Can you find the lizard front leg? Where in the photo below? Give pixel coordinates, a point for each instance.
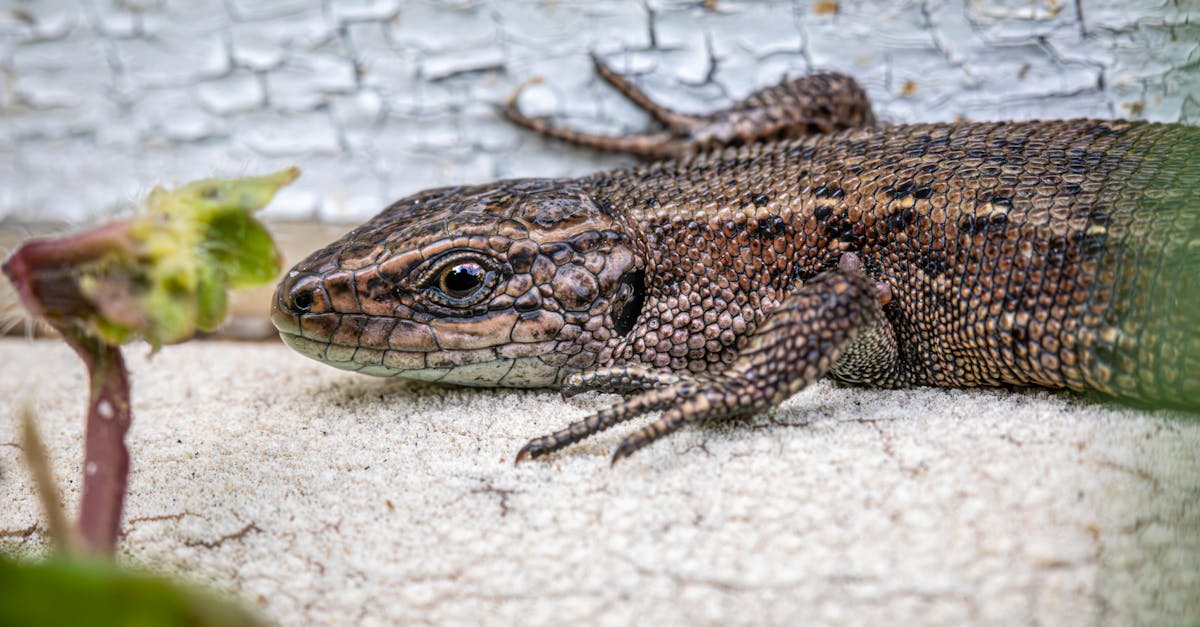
(835, 323)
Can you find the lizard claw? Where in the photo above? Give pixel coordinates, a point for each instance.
(624, 449)
(525, 453)
(539, 447)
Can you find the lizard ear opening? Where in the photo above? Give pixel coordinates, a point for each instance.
(627, 303)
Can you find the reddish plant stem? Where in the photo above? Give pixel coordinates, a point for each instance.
(44, 273)
(105, 458)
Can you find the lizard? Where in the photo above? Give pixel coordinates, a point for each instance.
(783, 239)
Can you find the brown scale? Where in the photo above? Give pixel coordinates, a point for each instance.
(1060, 254)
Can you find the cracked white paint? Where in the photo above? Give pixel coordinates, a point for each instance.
(377, 99)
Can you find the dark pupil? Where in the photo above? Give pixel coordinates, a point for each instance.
(462, 280)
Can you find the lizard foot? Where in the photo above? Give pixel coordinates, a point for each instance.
(834, 320)
(820, 103)
(684, 398)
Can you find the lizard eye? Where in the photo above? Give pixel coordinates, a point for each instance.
(462, 280)
(459, 279)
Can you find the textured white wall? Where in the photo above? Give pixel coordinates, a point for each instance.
(375, 100)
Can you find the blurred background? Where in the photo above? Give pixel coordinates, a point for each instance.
(375, 100)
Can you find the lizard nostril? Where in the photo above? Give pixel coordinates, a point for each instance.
(301, 295)
(302, 301)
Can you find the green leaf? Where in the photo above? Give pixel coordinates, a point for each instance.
(64, 592)
(254, 260)
(211, 298)
(161, 275)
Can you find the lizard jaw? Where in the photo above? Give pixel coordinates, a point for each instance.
(476, 368)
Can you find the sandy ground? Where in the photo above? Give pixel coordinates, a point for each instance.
(324, 497)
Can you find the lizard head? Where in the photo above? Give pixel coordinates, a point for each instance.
(514, 283)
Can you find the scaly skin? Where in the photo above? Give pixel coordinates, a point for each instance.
(820, 103)
(1060, 254)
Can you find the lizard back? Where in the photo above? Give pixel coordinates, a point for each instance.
(1058, 253)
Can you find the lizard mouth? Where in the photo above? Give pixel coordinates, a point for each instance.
(404, 364)
(504, 366)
